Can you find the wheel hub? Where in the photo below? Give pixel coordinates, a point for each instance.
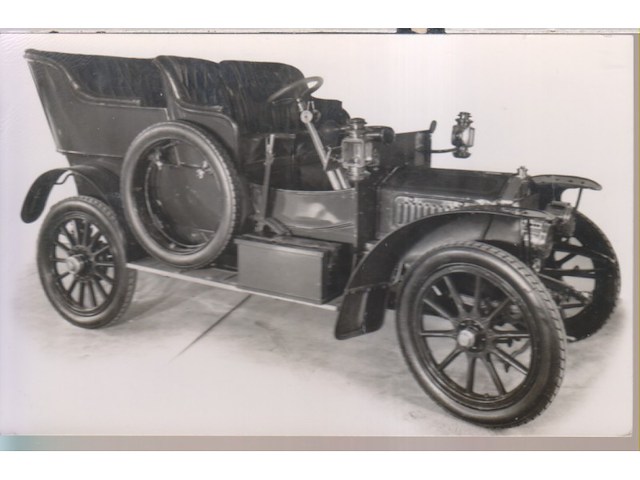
(466, 338)
(76, 264)
(471, 336)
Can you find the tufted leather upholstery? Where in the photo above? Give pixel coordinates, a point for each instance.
(250, 84)
(195, 82)
(110, 77)
(240, 89)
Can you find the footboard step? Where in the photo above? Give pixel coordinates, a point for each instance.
(218, 278)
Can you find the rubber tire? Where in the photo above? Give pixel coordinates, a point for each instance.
(221, 162)
(104, 217)
(552, 342)
(607, 288)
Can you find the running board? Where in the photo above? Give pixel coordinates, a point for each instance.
(219, 278)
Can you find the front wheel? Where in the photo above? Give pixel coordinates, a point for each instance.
(583, 275)
(82, 262)
(481, 334)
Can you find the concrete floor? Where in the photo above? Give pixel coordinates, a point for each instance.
(269, 368)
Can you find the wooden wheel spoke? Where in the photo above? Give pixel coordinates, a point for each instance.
(581, 250)
(104, 264)
(438, 309)
(72, 286)
(565, 288)
(93, 238)
(96, 282)
(69, 236)
(453, 292)
(565, 259)
(496, 311)
(510, 335)
(449, 358)
(103, 276)
(505, 357)
(471, 373)
(103, 249)
(86, 228)
(81, 230)
(58, 243)
(573, 272)
(78, 223)
(92, 294)
(439, 333)
(567, 306)
(62, 275)
(493, 373)
(81, 297)
(477, 292)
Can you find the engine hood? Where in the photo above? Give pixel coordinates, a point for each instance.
(415, 192)
(455, 184)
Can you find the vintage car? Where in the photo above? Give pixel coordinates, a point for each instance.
(232, 174)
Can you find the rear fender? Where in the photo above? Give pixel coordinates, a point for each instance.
(90, 180)
(365, 299)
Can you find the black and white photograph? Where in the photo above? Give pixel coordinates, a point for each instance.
(331, 236)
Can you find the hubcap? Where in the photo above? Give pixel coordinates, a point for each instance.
(83, 265)
(75, 264)
(466, 338)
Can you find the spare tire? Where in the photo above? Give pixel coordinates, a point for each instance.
(181, 194)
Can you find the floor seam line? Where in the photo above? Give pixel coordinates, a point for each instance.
(211, 327)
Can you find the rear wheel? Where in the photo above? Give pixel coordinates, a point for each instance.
(82, 263)
(181, 194)
(481, 334)
(583, 275)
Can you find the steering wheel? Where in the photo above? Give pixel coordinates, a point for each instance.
(280, 97)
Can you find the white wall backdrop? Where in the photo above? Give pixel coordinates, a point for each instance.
(556, 104)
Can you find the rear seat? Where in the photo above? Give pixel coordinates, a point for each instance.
(102, 77)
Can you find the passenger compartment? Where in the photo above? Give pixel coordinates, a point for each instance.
(97, 104)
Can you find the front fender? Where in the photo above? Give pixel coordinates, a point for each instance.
(565, 182)
(365, 298)
(91, 180)
(551, 187)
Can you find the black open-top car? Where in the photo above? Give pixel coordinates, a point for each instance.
(234, 175)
